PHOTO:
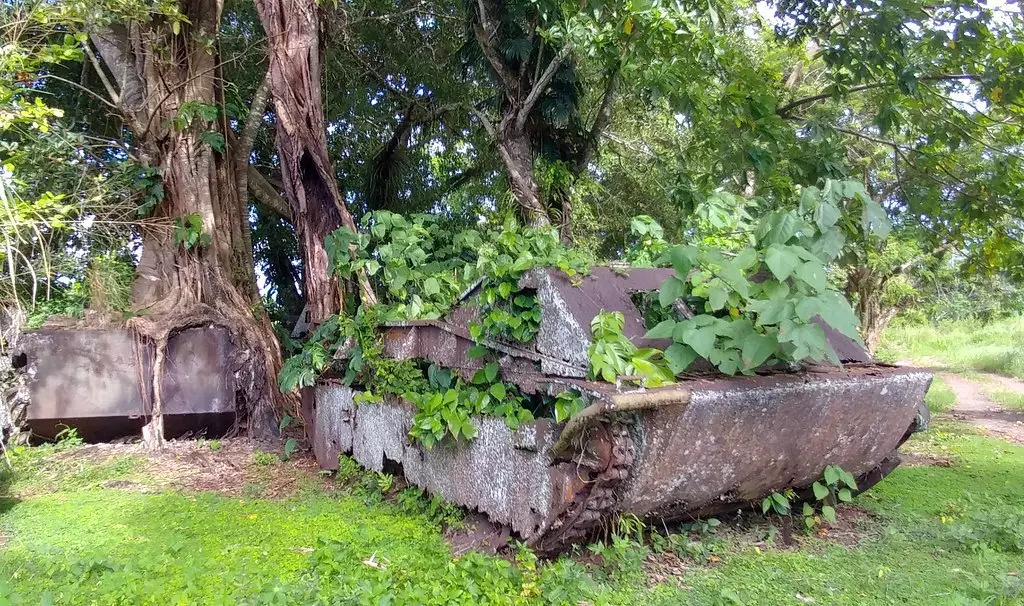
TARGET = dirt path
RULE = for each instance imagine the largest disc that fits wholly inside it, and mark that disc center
(975, 407)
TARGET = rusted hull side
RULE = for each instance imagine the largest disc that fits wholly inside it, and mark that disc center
(736, 440)
(740, 439)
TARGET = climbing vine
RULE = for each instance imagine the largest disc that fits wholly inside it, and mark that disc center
(738, 302)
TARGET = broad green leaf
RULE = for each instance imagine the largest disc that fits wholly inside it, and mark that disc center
(683, 259)
(831, 475)
(874, 220)
(757, 349)
(807, 308)
(820, 491)
(662, 331)
(829, 513)
(431, 286)
(498, 391)
(491, 371)
(781, 261)
(702, 340)
(845, 495)
(672, 289)
(812, 273)
(679, 357)
(718, 296)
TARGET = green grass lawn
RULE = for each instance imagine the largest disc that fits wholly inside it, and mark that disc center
(940, 396)
(962, 346)
(926, 535)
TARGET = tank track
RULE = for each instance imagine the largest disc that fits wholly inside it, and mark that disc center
(593, 504)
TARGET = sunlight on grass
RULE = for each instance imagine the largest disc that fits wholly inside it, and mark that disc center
(996, 347)
(940, 397)
(933, 534)
(1008, 399)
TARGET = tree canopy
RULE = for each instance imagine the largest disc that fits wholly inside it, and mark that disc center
(213, 149)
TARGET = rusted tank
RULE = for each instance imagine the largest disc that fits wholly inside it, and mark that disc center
(99, 381)
(704, 445)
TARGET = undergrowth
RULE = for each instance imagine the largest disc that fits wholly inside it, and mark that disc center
(931, 535)
(996, 347)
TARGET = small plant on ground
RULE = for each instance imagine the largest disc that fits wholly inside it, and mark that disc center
(836, 486)
(263, 458)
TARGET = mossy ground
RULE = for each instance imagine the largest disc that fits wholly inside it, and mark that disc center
(75, 530)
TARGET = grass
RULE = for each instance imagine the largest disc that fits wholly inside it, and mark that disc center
(1008, 399)
(940, 396)
(996, 347)
(935, 535)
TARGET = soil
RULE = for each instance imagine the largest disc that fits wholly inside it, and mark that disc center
(231, 467)
(975, 407)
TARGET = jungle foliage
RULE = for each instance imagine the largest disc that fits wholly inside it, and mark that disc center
(850, 160)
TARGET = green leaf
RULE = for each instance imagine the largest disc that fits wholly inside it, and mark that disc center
(845, 495)
(702, 340)
(662, 331)
(498, 391)
(683, 259)
(807, 308)
(214, 139)
(290, 446)
(476, 352)
(285, 422)
(679, 357)
(820, 491)
(756, 349)
(831, 475)
(672, 289)
(491, 371)
(829, 513)
(874, 220)
(431, 286)
(812, 273)
(718, 296)
(781, 261)
(808, 510)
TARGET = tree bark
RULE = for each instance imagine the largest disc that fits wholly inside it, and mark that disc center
(318, 208)
(167, 80)
(865, 288)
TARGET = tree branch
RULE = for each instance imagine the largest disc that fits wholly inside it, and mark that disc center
(485, 121)
(254, 119)
(265, 194)
(541, 85)
(785, 109)
(485, 34)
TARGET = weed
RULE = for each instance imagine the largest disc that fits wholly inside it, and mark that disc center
(264, 459)
(214, 445)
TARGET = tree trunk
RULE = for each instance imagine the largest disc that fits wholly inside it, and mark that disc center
(174, 78)
(865, 288)
(317, 205)
(516, 153)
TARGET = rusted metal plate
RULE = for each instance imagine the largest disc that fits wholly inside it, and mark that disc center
(99, 381)
(504, 473)
(739, 439)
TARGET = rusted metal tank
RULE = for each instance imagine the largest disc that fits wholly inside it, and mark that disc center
(99, 381)
(704, 445)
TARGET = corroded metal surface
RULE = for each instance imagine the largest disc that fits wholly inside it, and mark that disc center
(100, 381)
(739, 439)
(704, 445)
(502, 472)
(736, 440)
